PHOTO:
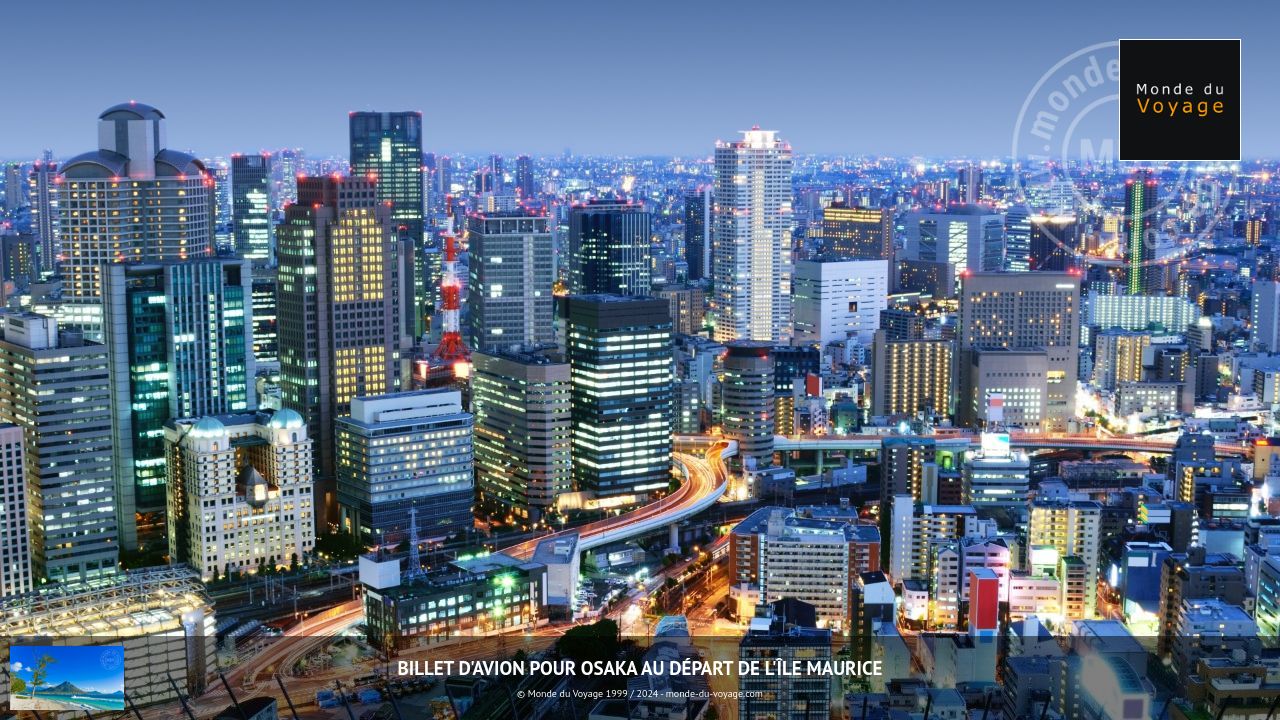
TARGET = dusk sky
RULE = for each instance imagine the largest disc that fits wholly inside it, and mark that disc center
(659, 77)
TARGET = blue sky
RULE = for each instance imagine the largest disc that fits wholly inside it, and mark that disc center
(88, 667)
(651, 77)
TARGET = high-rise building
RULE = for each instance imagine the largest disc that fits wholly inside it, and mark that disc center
(524, 178)
(338, 309)
(15, 191)
(16, 577)
(251, 206)
(54, 385)
(21, 259)
(855, 233)
(1140, 215)
(910, 377)
(511, 274)
(969, 183)
(403, 452)
(619, 353)
(45, 218)
(1139, 312)
(688, 307)
(1117, 357)
(996, 476)
(1059, 529)
(697, 232)
(179, 344)
(522, 438)
(266, 342)
(839, 300)
(609, 248)
(1024, 312)
(386, 147)
(968, 237)
(131, 200)
(240, 492)
(1053, 245)
(1017, 239)
(288, 166)
(1265, 316)
(747, 391)
(916, 527)
(751, 238)
(777, 638)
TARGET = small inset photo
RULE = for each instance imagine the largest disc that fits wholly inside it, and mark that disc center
(66, 677)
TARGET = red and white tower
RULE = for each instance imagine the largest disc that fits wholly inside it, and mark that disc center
(452, 350)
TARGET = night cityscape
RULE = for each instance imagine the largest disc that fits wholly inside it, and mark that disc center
(877, 384)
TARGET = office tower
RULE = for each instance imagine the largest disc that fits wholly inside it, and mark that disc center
(288, 166)
(400, 453)
(1019, 312)
(524, 178)
(522, 437)
(969, 184)
(251, 206)
(15, 552)
(266, 343)
(839, 300)
(21, 259)
(1017, 239)
(495, 170)
(609, 248)
(15, 195)
(747, 391)
(619, 353)
(511, 273)
(386, 148)
(1053, 245)
(45, 220)
(910, 377)
(931, 279)
(777, 638)
(776, 553)
(339, 314)
(178, 338)
(1060, 529)
(1194, 575)
(697, 232)
(1117, 357)
(1265, 316)
(996, 476)
(854, 233)
(54, 385)
(751, 238)
(688, 307)
(131, 200)
(240, 492)
(1140, 226)
(968, 237)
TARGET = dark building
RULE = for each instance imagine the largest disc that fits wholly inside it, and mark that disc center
(899, 324)
(1194, 575)
(21, 259)
(935, 279)
(524, 177)
(791, 363)
(775, 637)
(854, 233)
(251, 206)
(1054, 244)
(1140, 226)
(609, 251)
(622, 432)
(697, 237)
(386, 148)
(266, 343)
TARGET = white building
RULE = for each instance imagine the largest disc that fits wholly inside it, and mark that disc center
(240, 491)
(1137, 312)
(836, 300)
(15, 551)
(996, 475)
(969, 237)
(751, 238)
(915, 526)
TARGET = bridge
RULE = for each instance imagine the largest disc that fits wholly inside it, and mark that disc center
(1027, 441)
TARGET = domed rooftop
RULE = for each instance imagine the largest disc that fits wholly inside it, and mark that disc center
(286, 419)
(208, 427)
(131, 110)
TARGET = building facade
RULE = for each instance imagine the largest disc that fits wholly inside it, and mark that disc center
(511, 276)
(839, 300)
(609, 248)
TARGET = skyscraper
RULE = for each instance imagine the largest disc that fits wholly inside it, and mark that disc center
(511, 274)
(54, 385)
(251, 205)
(131, 200)
(338, 309)
(1026, 312)
(1017, 243)
(266, 341)
(969, 183)
(751, 238)
(43, 191)
(16, 577)
(854, 233)
(968, 237)
(910, 377)
(387, 148)
(179, 344)
(748, 390)
(524, 177)
(1053, 245)
(838, 300)
(697, 232)
(609, 248)
(619, 352)
(1140, 226)
(521, 403)
(240, 492)
(403, 452)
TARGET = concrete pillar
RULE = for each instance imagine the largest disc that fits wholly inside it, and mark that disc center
(673, 541)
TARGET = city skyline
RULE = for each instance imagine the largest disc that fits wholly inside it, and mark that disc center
(879, 95)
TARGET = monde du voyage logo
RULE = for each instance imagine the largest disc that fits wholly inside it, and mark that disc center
(1179, 100)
